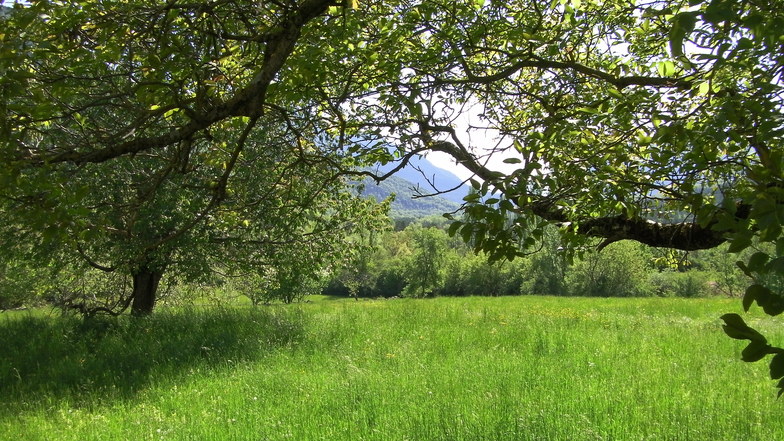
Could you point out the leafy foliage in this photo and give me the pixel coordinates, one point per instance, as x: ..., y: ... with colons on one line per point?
x: 623, y: 269
x: 620, y: 270
x: 426, y: 266
x: 249, y: 190
x: 657, y: 122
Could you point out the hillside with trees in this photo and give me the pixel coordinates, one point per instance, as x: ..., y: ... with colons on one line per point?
x: 406, y: 206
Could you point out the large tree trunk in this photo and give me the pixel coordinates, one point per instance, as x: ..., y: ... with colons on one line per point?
x: 145, y: 289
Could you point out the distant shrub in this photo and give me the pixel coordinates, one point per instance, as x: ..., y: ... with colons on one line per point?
x: 692, y: 283
x: 390, y: 282
x: 454, y: 285
x: 620, y: 270
x: 477, y: 277
x: 426, y: 267
x: 545, y: 274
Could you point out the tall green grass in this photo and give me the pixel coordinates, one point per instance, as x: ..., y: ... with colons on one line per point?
x: 522, y: 368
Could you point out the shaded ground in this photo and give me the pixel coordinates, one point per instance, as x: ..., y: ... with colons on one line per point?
x: 104, y: 358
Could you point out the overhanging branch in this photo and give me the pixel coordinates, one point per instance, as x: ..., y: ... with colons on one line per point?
x: 535, y: 62
x: 687, y: 236
x: 246, y: 102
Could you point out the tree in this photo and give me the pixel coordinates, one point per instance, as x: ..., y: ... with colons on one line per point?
x: 659, y: 122
x: 425, y: 269
x: 547, y: 268
x: 119, y: 160
x: 621, y: 270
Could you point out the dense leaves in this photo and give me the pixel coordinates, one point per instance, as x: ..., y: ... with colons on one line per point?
x: 129, y: 150
x: 421, y: 260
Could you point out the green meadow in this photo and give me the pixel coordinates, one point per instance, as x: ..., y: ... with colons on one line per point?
x: 507, y: 368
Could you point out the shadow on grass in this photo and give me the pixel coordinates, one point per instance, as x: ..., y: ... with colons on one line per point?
x: 83, y: 361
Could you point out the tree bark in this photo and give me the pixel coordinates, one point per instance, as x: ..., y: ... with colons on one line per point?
x: 145, y: 289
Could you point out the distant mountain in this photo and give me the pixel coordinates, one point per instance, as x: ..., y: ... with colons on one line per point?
x: 423, y: 175
x: 404, y: 205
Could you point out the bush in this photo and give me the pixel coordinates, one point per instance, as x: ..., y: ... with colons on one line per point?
x: 620, y: 270
x: 693, y: 283
x: 22, y: 285
x: 454, y: 284
x: 481, y: 277
x: 545, y: 274
x: 545, y: 271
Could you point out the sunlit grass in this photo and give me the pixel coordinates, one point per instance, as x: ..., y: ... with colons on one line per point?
x: 445, y: 369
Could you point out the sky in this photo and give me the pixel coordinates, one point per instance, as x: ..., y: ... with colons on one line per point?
x: 481, y: 140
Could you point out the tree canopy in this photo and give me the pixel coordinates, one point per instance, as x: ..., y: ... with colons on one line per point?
x: 655, y: 121
x: 112, y: 163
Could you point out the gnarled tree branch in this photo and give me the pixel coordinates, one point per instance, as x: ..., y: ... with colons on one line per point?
x: 246, y: 102
x: 687, y: 236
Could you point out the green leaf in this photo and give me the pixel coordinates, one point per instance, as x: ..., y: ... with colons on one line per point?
x: 757, y: 261
x: 676, y: 41
x: 665, y: 68
x: 777, y: 367
x: 471, y: 197
x: 773, y: 304
x: 754, y: 293
x: 776, y: 265
x: 755, y: 351
x: 466, y: 232
x: 744, y: 268
x: 740, y: 243
x: 615, y: 93
x: 770, y: 233
x: 736, y: 328
x: 506, y: 205
x: 453, y: 228
x: 682, y: 25
x: 512, y: 161
x: 734, y: 321
x: 703, y: 89
x: 591, y: 110
x: 718, y: 11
